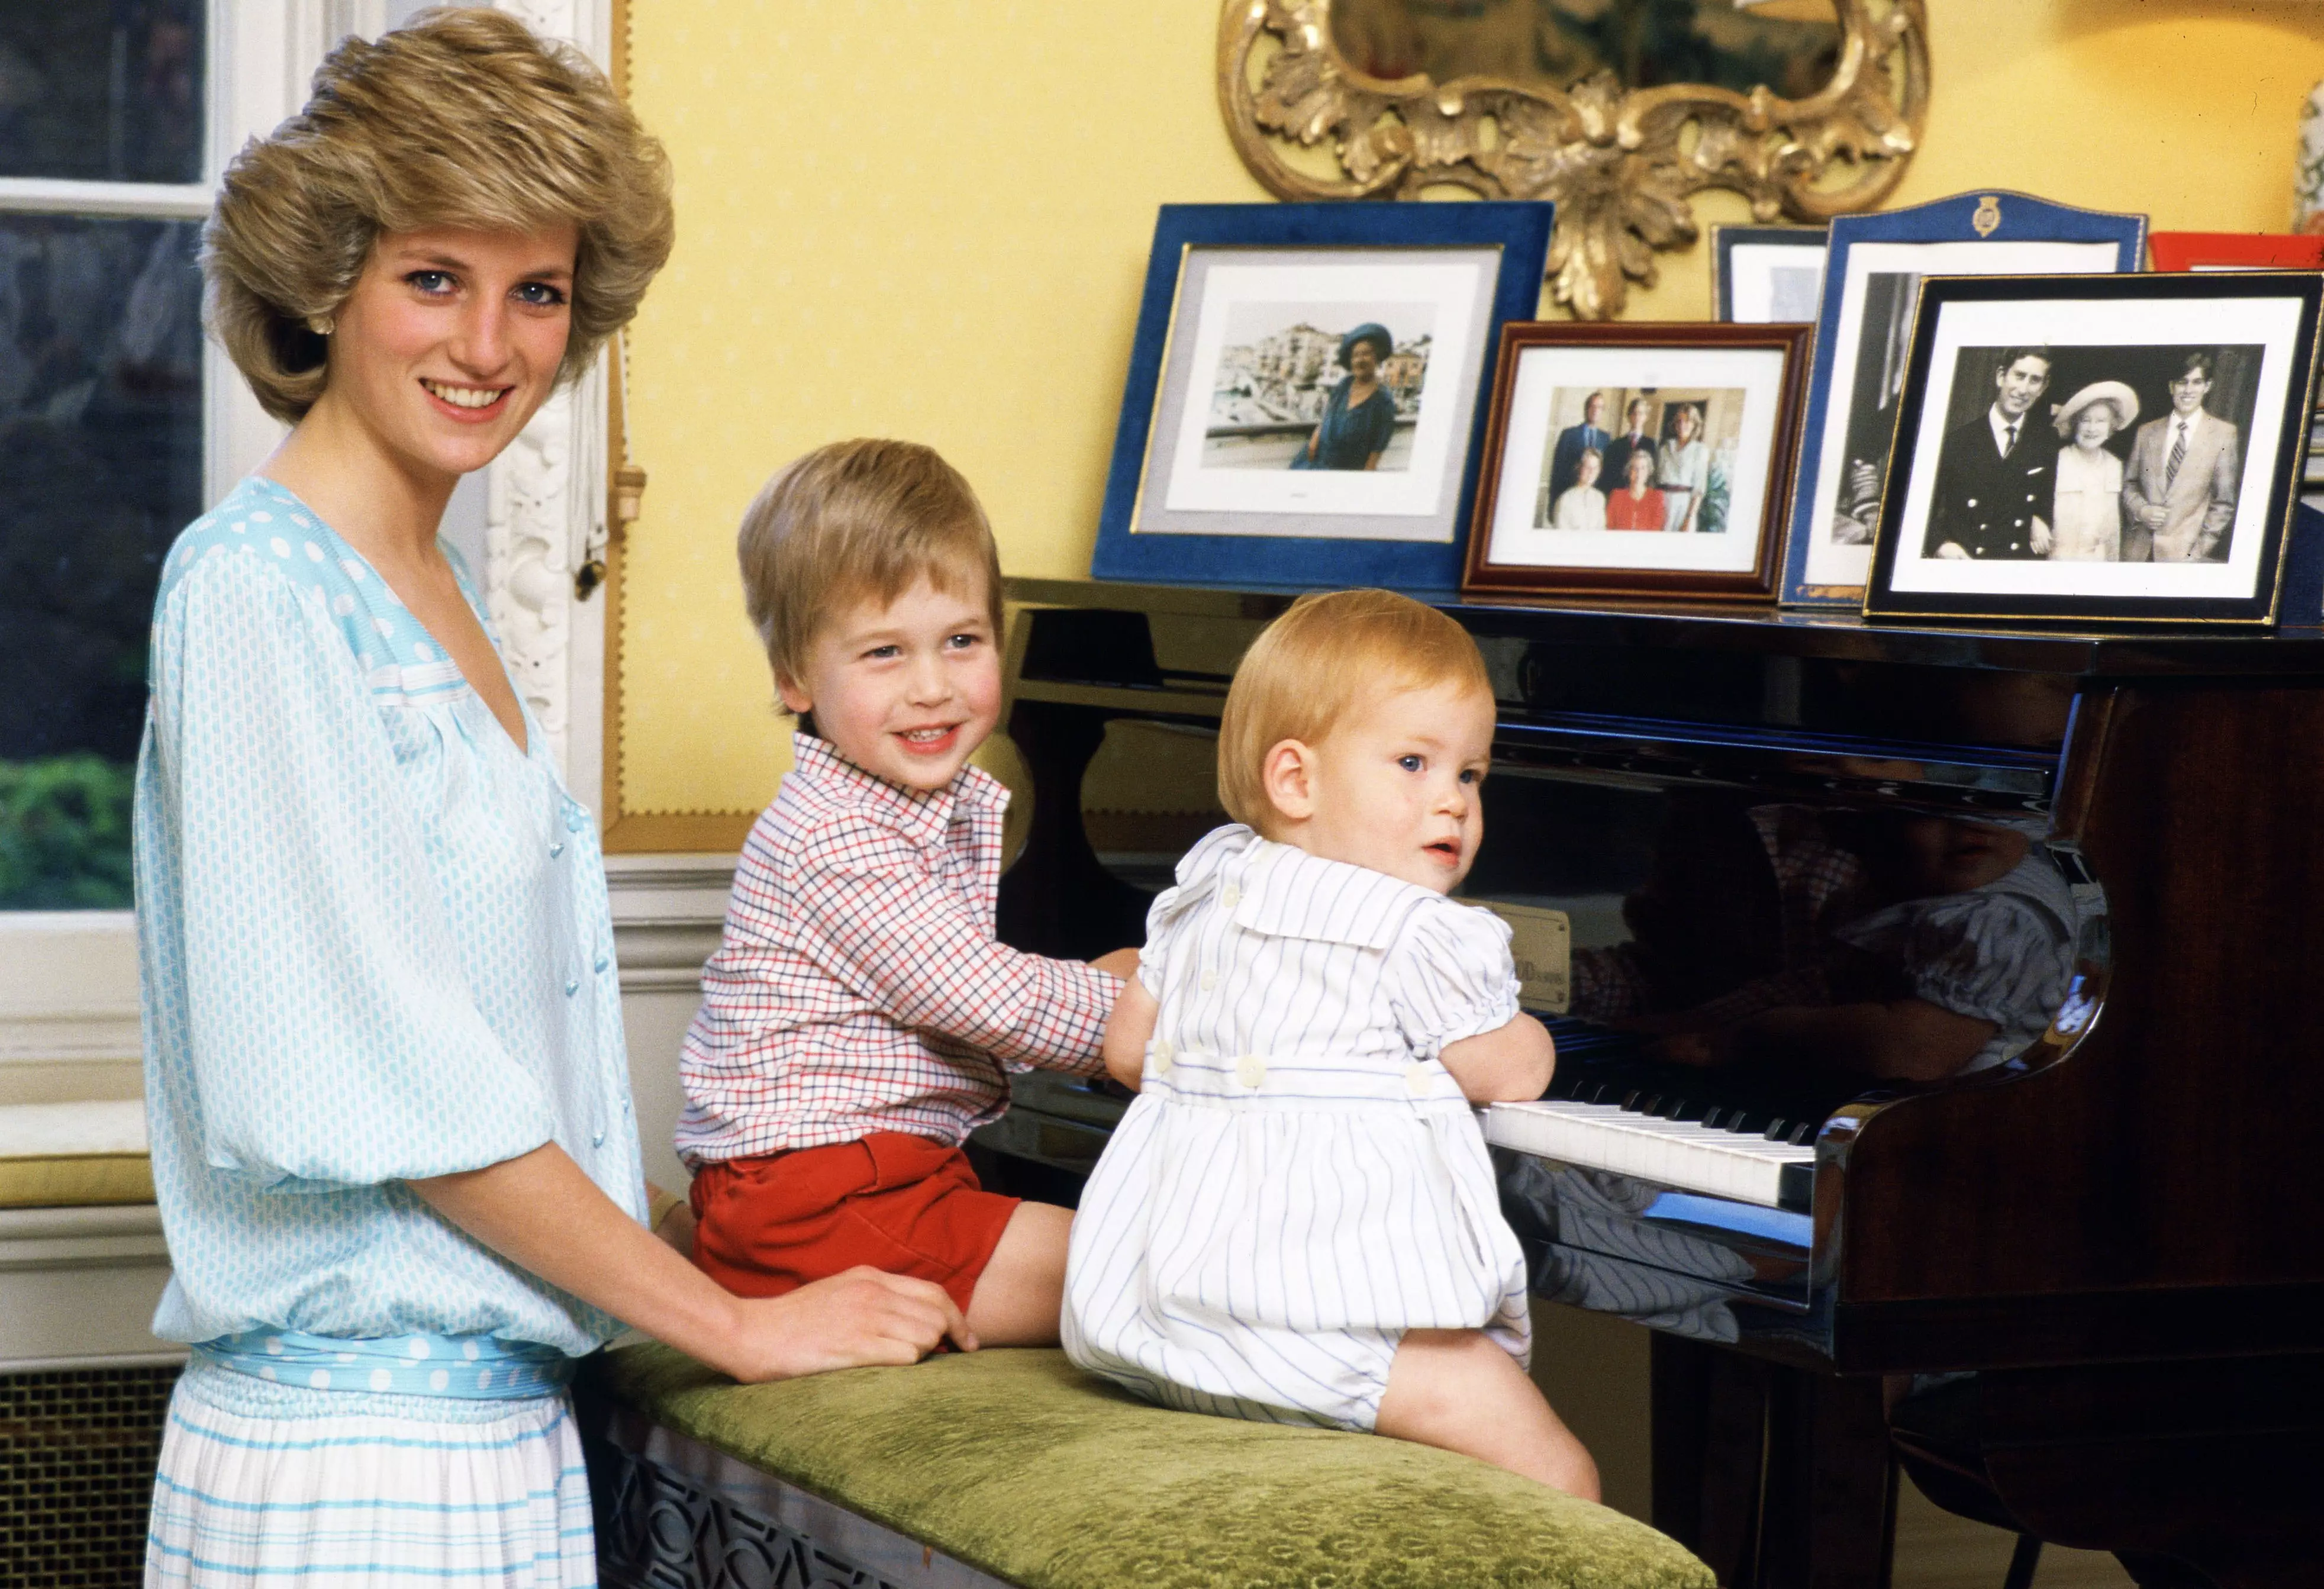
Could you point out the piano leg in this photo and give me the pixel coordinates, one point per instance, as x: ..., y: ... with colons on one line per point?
x: 1778, y: 1477
x: 1058, y: 899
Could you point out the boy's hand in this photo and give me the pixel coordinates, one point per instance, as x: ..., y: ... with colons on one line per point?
x: 1122, y: 963
x: 1128, y: 1032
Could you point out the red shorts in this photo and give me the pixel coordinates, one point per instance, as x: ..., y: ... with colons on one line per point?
x: 900, y: 1203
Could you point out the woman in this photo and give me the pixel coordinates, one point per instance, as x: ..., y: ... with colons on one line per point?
x: 393, y: 1138
x: 1360, y: 416
x: 2085, y: 518
x: 1637, y: 506
x: 1682, y: 469
x: 1581, y: 506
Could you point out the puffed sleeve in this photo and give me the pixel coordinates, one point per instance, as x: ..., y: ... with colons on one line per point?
x: 1450, y: 976
x: 1993, y: 957
x: 333, y: 1038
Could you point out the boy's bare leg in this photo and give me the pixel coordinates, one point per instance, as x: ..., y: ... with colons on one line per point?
x: 1022, y: 1290
x: 1456, y: 1389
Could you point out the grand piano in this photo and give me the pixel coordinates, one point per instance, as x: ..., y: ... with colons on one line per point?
x: 2072, y: 1281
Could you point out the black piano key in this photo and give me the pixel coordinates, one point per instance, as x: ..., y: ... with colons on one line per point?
x: 1795, y: 1187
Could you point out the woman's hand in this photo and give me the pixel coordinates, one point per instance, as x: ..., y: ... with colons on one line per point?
x: 542, y: 1214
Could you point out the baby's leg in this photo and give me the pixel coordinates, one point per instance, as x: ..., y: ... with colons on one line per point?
x: 1457, y: 1389
x: 1022, y: 1290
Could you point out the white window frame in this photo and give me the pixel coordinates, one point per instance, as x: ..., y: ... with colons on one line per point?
x: 69, y: 978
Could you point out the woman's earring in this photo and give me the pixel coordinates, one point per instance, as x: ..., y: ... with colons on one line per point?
x: 320, y: 325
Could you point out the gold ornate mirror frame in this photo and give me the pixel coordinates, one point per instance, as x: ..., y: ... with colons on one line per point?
x: 1621, y: 164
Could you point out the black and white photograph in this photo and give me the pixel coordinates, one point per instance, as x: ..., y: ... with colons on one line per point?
x: 1648, y: 457
x: 2122, y: 443
x: 1333, y: 386
x: 1875, y: 268
x: 1767, y: 275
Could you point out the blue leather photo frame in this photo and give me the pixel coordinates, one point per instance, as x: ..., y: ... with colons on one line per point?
x: 1855, y: 389
x: 1312, y: 558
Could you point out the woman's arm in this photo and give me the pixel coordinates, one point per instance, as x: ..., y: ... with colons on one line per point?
x: 1127, y: 1032
x: 542, y: 1214
x: 1508, y: 1064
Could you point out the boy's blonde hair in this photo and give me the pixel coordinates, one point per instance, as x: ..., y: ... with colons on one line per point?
x: 1314, y: 663
x: 858, y: 521
x: 467, y: 118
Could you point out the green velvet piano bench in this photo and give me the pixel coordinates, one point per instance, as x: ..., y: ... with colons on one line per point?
x: 1012, y: 1467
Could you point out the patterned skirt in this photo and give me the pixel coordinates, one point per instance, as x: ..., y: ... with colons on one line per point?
x: 284, y: 1488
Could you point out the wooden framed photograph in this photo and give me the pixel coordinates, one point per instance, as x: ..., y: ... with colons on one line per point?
x: 2120, y: 448
x: 1871, y: 282
x: 1767, y: 275
x: 1306, y: 395
x: 1637, y: 459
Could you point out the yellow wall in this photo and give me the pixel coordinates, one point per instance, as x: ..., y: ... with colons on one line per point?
x: 930, y: 218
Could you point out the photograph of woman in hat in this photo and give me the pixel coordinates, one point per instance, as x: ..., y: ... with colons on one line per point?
x: 1360, y: 416
x: 2086, y: 521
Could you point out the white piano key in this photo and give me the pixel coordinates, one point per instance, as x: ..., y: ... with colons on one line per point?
x: 1685, y: 1154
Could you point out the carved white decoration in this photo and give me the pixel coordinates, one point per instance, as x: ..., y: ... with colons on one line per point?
x: 545, y: 512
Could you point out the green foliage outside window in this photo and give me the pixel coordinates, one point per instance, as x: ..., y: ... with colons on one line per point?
x: 64, y: 834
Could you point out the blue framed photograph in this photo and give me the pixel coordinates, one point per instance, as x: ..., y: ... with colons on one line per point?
x: 1766, y: 275
x: 1864, y: 332
x: 1304, y: 406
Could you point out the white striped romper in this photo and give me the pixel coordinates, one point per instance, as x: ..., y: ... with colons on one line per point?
x: 1300, y: 1180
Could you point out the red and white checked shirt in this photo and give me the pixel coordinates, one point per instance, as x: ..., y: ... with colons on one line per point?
x: 859, y: 987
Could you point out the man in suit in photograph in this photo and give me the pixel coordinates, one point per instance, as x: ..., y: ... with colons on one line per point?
x: 1575, y: 441
x: 2179, y: 493
x: 1995, y: 475
x: 1636, y: 438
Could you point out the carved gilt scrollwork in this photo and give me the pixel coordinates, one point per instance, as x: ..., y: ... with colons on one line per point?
x: 1621, y: 164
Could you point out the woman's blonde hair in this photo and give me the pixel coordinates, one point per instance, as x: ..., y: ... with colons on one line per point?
x: 462, y: 118
x: 1315, y: 663
x: 858, y: 521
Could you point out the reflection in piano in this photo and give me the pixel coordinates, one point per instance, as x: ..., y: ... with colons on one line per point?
x: 1935, y: 1006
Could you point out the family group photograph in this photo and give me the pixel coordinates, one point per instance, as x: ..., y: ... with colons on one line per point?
x: 1640, y: 458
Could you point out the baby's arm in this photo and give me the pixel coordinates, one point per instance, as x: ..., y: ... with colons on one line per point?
x: 1127, y: 1032
x: 1508, y: 1064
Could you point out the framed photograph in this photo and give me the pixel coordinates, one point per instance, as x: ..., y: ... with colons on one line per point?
x: 2081, y: 449
x: 1766, y: 275
x: 1637, y: 459
x: 1872, y: 280
x: 1305, y: 401
x: 2236, y: 251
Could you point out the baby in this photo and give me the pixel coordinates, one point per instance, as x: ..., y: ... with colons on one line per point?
x: 1296, y: 1221
x: 859, y: 1019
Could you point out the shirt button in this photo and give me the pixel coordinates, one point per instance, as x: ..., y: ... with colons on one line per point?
x: 600, y: 966
x: 1231, y: 897
x: 557, y: 849
x: 1210, y: 980
x: 1417, y: 1081
x: 597, y: 1138
x: 1250, y: 1070
x: 625, y: 1107
x: 573, y: 816
x: 572, y: 986
x: 1161, y: 1057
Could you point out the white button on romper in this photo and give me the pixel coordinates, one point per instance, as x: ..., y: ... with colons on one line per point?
x: 1300, y: 1180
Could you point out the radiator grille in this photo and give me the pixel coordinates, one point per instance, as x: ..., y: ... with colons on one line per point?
x: 78, y: 1449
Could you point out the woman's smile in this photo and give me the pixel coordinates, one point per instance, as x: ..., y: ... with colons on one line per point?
x: 470, y: 405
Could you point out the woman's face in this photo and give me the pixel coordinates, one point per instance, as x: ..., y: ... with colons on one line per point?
x: 2093, y: 425
x: 1585, y: 473
x: 1363, y: 360
x: 1685, y: 424
x: 1639, y: 466
x: 450, y: 342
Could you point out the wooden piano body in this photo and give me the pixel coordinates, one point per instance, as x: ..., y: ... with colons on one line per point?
x: 2119, y: 1231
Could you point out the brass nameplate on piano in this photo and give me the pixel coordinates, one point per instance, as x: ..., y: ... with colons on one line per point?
x: 1543, y: 943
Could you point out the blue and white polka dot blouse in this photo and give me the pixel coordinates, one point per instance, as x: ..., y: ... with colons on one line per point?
x: 374, y: 948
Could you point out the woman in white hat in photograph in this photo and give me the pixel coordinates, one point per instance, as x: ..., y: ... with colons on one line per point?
x: 2086, y: 522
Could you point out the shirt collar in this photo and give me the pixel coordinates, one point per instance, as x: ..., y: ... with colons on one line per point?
x: 922, y: 816
x: 1286, y: 893
x: 2000, y: 425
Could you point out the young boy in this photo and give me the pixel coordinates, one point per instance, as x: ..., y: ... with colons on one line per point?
x: 859, y: 1019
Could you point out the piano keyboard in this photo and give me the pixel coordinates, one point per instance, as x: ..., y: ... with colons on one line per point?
x: 1683, y: 1153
